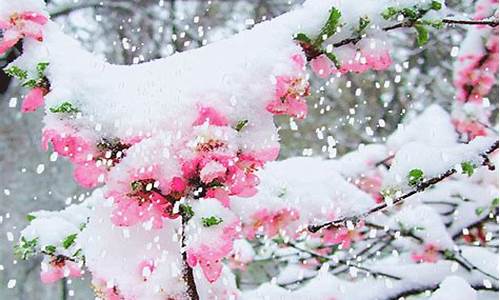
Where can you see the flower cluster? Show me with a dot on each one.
(475, 73)
(428, 254)
(214, 230)
(270, 223)
(91, 159)
(21, 25)
(58, 267)
(290, 92)
(369, 54)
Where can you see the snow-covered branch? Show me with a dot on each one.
(422, 186)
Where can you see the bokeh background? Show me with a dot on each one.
(344, 112)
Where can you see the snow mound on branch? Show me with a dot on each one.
(52, 227)
(454, 287)
(310, 186)
(465, 197)
(432, 160)
(425, 223)
(432, 127)
(355, 163)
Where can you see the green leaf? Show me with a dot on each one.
(50, 249)
(303, 38)
(415, 176)
(479, 211)
(16, 72)
(31, 83)
(390, 13)
(240, 125)
(418, 228)
(334, 59)
(330, 26)
(186, 211)
(65, 107)
(437, 24)
(82, 226)
(448, 254)
(322, 260)
(363, 24)
(422, 34)
(25, 249)
(411, 13)
(494, 203)
(41, 67)
(211, 221)
(279, 240)
(468, 168)
(69, 240)
(30, 217)
(436, 5)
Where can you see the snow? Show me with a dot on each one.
(432, 160)
(114, 254)
(454, 287)
(155, 105)
(433, 127)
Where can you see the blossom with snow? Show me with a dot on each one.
(186, 176)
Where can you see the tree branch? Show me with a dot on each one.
(491, 23)
(419, 188)
(402, 24)
(187, 272)
(117, 4)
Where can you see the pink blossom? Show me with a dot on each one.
(375, 54)
(27, 24)
(372, 185)
(143, 196)
(220, 194)
(68, 144)
(104, 291)
(289, 97)
(59, 268)
(293, 107)
(470, 128)
(210, 115)
(146, 268)
(429, 254)
(211, 171)
(209, 260)
(89, 174)
(322, 66)
(341, 236)
(299, 60)
(33, 100)
(270, 223)
(209, 257)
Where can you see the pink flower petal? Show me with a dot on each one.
(33, 100)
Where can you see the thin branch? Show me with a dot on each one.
(419, 188)
(491, 23)
(403, 24)
(474, 267)
(343, 262)
(65, 10)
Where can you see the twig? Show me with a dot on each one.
(346, 263)
(403, 24)
(474, 267)
(491, 23)
(419, 188)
